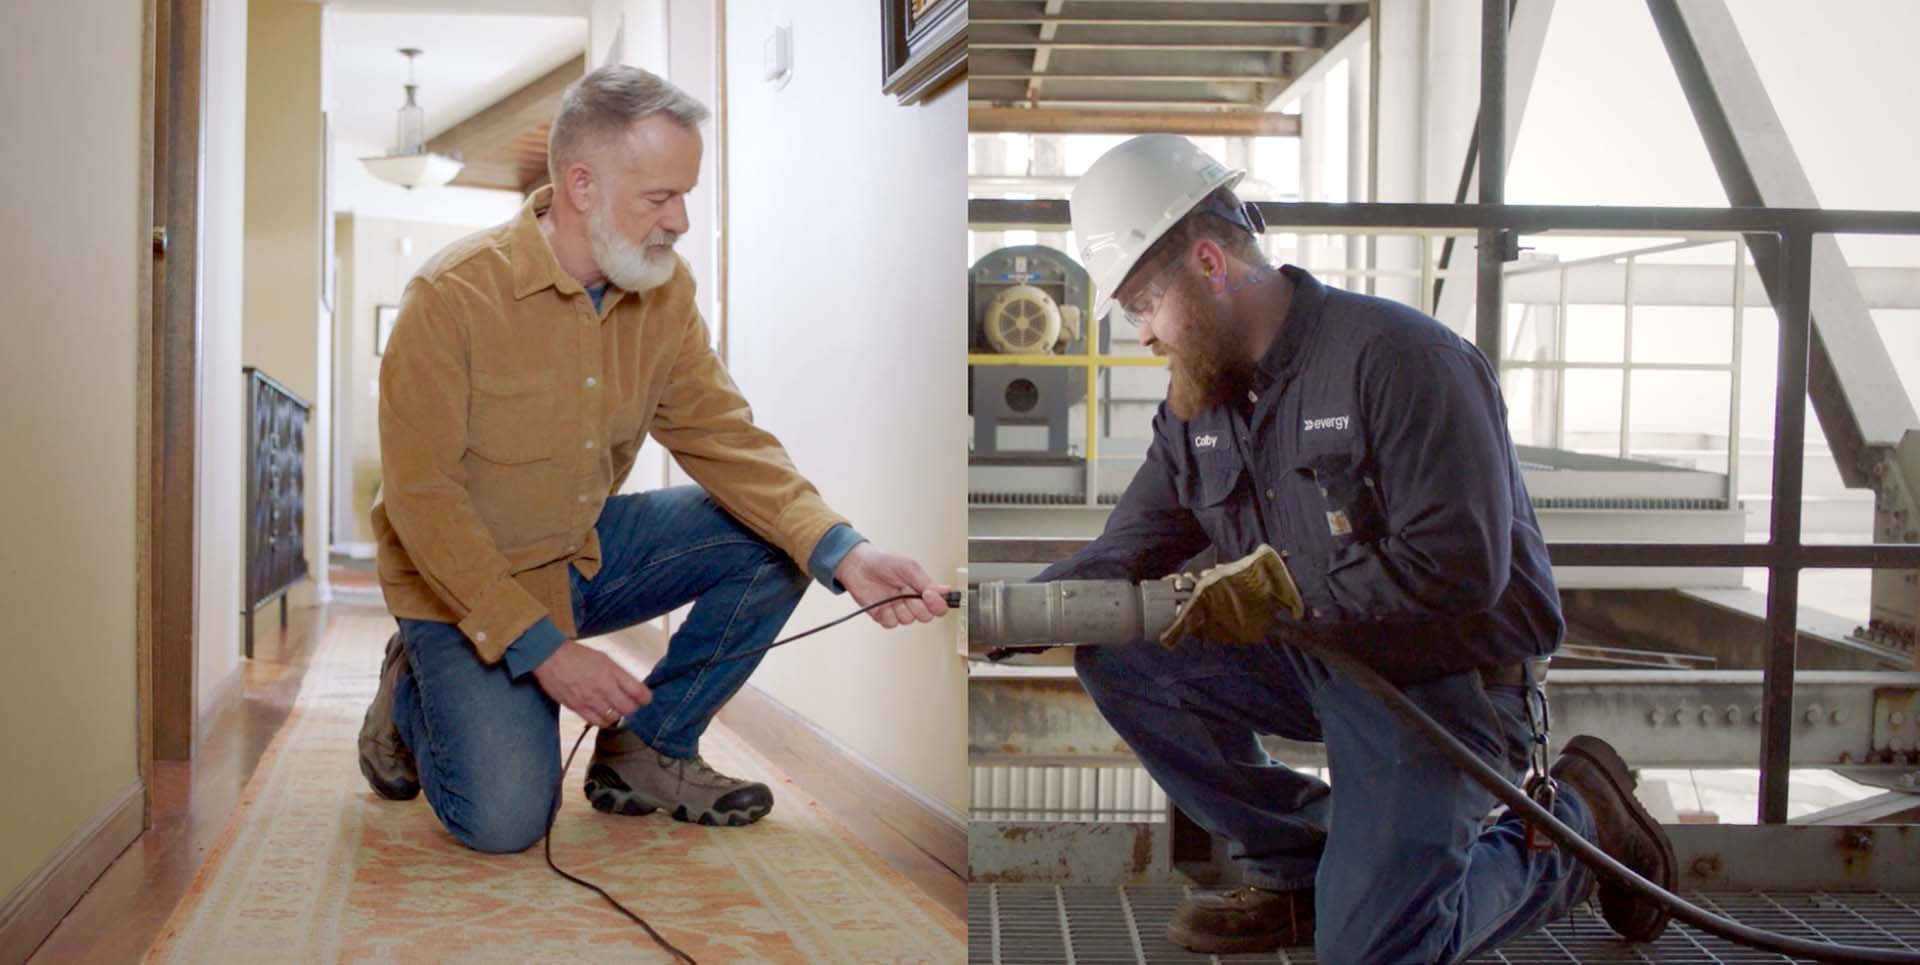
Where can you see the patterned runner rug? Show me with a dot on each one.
(314, 868)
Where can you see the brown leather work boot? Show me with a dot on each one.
(384, 759)
(1624, 830)
(1246, 919)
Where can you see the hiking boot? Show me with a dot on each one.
(384, 758)
(1245, 919)
(1624, 830)
(629, 777)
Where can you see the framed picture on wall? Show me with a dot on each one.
(383, 319)
(923, 47)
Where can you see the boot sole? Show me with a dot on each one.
(614, 801)
(392, 791)
(1608, 762)
(1204, 944)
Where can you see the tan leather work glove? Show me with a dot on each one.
(1238, 602)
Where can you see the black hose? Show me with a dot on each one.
(1580, 847)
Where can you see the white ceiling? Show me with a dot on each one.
(467, 62)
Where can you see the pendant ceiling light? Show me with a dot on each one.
(410, 165)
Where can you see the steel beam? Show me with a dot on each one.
(1657, 718)
(1489, 302)
(1711, 858)
(986, 120)
(1134, 78)
(1825, 556)
(1797, 857)
(1442, 219)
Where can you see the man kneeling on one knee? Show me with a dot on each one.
(1369, 443)
(529, 363)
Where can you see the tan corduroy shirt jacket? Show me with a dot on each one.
(510, 410)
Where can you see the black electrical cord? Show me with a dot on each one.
(1581, 848)
(559, 791)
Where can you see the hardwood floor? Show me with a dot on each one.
(126, 908)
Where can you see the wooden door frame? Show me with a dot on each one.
(168, 552)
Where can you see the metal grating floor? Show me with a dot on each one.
(1084, 924)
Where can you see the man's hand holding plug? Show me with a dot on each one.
(871, 575)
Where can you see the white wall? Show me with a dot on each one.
(220, 510)
(69, 415)
(847, 308)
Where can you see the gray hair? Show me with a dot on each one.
(604, 103)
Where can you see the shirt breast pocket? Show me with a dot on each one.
(1210, 498)
(510, 417)
(1349, 497)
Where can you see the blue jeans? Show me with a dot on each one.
(488, 746)
(1401, 870)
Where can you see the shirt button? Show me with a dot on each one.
(589, 443)
(583, 499)
(591, 381)
(1253, 396)
(480, 637)
(572, 546)
(1269, 494)
(1314, 613)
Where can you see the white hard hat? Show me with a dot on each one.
(1131, 196)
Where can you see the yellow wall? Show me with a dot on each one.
(70, 91)
(286, 333)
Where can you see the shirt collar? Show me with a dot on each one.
(1303, 316)
(534, 264)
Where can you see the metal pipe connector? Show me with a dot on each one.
(1071, 612)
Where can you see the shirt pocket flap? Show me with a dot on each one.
(1216, 481)
(510, 416)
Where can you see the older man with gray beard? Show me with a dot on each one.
(529, 363)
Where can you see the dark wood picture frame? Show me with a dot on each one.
(923, 47)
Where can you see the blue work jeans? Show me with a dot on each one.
(1401, 870)
(488, 746)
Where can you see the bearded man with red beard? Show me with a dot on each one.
(1367, 444)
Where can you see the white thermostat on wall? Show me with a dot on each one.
(777, 55)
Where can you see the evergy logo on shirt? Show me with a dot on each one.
(1207, 441)
(1338, 423)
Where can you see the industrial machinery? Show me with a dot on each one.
(1026, 300)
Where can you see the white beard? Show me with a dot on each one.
(626, 264)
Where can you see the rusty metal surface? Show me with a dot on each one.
(1080, 852)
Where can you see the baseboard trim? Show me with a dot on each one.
(34, 908)
(779, 731)
(226, 697)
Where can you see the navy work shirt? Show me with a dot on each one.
(1373, 452)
